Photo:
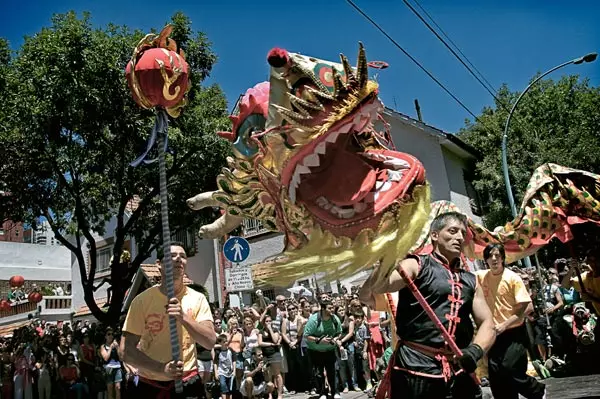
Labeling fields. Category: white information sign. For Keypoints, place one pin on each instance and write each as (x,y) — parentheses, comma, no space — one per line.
(239,279)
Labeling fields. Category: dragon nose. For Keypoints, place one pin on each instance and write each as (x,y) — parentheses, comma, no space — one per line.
(278,57)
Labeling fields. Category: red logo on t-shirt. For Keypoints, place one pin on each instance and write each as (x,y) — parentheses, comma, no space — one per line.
(155,323)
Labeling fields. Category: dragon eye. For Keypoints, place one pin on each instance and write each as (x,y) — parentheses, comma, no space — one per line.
(244,144)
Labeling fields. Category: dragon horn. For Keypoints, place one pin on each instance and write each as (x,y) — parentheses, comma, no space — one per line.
(362,67)
(347,68)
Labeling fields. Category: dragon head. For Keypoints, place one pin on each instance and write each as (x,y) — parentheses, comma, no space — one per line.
(318,170)
(323,148)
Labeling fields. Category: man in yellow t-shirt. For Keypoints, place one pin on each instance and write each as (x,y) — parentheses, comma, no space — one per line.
(146,341)
(509,301)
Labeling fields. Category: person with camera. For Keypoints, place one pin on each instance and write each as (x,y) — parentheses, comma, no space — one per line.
(323,331)
(255,383)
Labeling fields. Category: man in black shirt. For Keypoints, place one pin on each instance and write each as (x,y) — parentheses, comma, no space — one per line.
(254,383)
(423,365)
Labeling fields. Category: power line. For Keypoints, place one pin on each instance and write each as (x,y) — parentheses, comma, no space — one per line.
(413,59)
(493,91)
(490,89)
(489,85)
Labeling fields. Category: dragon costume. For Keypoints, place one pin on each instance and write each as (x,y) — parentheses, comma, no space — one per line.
(311,163)
(556,201)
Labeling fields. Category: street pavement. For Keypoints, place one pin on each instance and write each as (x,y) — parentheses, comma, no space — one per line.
(559,388)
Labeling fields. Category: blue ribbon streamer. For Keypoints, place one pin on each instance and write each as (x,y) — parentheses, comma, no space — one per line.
(161,125)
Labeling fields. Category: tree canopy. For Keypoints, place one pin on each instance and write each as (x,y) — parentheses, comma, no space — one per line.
(70,129)
(556,121)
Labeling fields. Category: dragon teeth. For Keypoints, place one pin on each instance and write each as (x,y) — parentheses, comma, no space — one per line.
(386,186)
(395,175)
(346,128)
(360,207)
(301,170)
(292,194)
(312,160)
(332,137)
(395,163)
(320,148)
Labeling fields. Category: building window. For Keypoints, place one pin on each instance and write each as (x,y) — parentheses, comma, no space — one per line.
(103,256)
(1,232)
(253,227)
(474,201)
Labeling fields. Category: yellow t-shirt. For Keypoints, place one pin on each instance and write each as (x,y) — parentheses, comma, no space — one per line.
(503,294)
(592,285)
(147,318)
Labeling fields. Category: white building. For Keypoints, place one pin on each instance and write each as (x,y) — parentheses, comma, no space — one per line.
(44,266)
(42,235)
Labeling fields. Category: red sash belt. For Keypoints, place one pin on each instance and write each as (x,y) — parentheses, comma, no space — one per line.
(165,387)
(440,354)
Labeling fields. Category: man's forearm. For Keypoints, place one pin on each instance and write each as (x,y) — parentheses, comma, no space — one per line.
(203,333)
(486,335)
(141,361)
(518,316)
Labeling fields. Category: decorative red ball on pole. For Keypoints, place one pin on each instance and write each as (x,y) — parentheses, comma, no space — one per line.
(35,297)
(157,74)
(4,305)
(16,281)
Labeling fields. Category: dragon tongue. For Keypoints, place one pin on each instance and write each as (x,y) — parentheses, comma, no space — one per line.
(347,180)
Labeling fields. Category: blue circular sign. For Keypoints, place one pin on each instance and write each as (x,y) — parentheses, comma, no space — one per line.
(236,249)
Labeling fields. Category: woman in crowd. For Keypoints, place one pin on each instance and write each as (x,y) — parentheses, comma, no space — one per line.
(250,337)
(235,336)
(346,348)
(112,365)
(289,335)
(87,361)
(270,342)
(70,378)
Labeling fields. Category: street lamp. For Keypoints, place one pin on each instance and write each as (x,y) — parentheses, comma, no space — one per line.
(591,57)
(511,200)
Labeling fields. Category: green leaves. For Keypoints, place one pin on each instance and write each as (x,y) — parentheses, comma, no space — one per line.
(556,121)
(69,129)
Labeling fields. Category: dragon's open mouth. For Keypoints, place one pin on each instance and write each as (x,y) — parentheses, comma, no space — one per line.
(344,182)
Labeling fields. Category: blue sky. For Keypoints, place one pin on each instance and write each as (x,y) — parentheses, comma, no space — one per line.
(508,41)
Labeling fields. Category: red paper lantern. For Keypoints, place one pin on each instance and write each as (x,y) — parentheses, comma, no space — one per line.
(35,297)
(157,74)
(16,281)
(4,306)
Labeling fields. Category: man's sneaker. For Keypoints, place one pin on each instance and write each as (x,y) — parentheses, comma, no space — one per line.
(356,388)
(369,387)
(345,390)
(337,396)
(322,397)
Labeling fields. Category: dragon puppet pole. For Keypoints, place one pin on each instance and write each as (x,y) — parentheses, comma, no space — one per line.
(548,325)
(447,337)
(166,233)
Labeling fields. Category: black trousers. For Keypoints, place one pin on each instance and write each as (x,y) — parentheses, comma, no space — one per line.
(324,361)
(408,386)
(507,366)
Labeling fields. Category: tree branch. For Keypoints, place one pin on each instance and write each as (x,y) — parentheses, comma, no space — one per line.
(66,243)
